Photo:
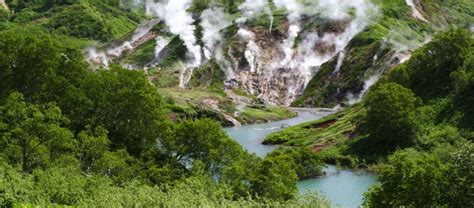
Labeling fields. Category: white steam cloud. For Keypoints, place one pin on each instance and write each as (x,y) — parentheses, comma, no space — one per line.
(276,74)
(115,51)
(213,20)
(180,22)
(284,78)
(309,59)
(294,10)
(353,99)
(253,8)
(340,60)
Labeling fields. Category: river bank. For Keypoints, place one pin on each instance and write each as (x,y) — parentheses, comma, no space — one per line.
(342,187)
(229,111)
(252,136)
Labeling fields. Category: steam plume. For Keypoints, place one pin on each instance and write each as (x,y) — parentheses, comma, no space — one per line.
(180,22)
(213,20)
(253,8)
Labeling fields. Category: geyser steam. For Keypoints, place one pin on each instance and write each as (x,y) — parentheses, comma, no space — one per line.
(175,15)
(115,51)
(294,15)
(213,20)
(278,74)
(279,77)
(253,8)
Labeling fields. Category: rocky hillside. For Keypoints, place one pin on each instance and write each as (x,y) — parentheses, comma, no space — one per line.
(310,53)
(401,29)
(247,56)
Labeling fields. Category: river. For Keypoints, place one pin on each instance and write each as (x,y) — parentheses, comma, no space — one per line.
(341,187)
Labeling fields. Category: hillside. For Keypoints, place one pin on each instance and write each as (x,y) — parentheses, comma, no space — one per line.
(254,70)
(418,114)
(389,41)
(247,57)
(122,103)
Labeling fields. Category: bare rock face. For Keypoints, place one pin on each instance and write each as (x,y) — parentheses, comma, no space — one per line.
(264,69)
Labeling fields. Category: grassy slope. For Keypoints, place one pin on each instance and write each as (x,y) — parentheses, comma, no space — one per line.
(329,136)
(326,131)
(262,114)
(192,103)
(143,53)
(396,23)
(78,23)
(333,141)
(337,138)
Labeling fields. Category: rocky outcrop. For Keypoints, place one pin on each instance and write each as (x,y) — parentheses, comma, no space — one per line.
(263,70)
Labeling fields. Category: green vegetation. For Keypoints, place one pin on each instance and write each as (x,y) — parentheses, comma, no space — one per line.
(326,130)
(262,114)
(394,30)
(61,186)
(91,19)
(387,119)
(413,178)
(210,76)
(417,117)
(305,162)
(143,53)
(73,136)
(327,136)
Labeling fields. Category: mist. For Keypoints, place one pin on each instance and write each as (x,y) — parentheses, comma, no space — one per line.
(213,20)
(254,8)
(294,10)
(180,22)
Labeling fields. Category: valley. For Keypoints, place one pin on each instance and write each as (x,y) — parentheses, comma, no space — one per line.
(244,103)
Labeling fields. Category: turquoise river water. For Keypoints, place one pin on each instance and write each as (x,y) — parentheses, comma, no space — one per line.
(342,187)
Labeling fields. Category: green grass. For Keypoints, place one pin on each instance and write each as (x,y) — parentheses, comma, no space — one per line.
(209,76)
(184,96)
(165,78)
(331,130)
(243,93)
(262,114)
(192,102)
(88,19)
(143,54)
(329,136)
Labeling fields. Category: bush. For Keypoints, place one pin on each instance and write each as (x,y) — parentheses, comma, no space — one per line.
(388,120)
(81,21)
(306,163)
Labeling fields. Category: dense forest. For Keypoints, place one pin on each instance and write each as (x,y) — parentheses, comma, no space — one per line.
(73,133)
(74,136)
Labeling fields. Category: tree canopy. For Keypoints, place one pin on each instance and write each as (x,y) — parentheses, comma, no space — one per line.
(388,120)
